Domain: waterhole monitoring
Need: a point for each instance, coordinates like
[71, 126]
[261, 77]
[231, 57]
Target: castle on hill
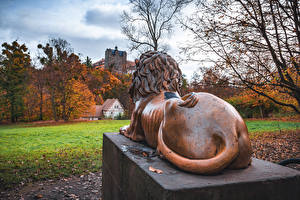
[116, 61]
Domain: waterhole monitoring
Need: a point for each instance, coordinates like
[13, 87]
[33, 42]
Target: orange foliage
[105, 85]
[251, 104]
[80, 101]
[31, 103]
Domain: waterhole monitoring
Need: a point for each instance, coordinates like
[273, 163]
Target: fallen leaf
[145, 154]
[152, 169]
[39, 196]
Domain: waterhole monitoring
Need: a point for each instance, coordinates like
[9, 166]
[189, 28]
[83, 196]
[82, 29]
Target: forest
[60, 86]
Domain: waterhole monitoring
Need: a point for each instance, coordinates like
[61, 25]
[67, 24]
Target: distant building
[111, 108]
[99, 64]
[116, 61]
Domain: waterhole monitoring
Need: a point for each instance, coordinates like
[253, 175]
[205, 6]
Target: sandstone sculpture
[198, 132]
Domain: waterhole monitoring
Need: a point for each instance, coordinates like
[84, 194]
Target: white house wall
[114, 112]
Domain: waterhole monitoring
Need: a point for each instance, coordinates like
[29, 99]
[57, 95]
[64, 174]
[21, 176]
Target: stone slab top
[144, 157]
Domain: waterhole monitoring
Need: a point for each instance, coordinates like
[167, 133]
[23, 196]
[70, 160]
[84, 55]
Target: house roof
[108, 104]
[96, 110]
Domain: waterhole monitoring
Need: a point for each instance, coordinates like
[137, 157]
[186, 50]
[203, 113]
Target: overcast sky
[90, 26]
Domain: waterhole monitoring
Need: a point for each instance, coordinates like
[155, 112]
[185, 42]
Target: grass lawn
[258, 126]
[29, 153]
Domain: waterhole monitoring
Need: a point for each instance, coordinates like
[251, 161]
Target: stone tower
[115, 60]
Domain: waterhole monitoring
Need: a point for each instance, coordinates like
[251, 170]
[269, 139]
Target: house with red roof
[111, 109]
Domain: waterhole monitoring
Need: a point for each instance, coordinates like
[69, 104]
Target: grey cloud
[19, 22]
[23, 31]
[103, 19]
[16, 23]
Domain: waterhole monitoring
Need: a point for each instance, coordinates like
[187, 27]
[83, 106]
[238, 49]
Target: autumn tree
[251, 104]
[13, 77]
[61, 67]
[30, 98]
[149, 21]
[4, 110]
[257, 42]
[79, 99]
[213, 81]
[120, 90]
[105, 84]
[3, 101]
[99, 82]
[39, 81]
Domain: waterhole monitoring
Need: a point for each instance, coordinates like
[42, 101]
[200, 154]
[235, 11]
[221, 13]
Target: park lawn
[29, 153]
[256, 127]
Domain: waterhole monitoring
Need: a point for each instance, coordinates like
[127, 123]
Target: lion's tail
[201, 166]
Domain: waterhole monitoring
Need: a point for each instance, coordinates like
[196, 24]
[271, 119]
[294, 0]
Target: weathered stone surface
[126, 175]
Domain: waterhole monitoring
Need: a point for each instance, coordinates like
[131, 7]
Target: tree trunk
[12, 113]
[261, 112]
[53, 105]
[12, 108]
[41, 105]
[64, 115]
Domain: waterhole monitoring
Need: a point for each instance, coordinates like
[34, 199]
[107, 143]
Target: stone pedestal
[126, 175]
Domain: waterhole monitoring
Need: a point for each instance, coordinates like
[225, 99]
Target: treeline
[246, 101]
[63, 87]
[59, 87]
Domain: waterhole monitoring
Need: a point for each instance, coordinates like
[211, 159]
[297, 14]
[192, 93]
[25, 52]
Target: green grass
[29, 153]
[257, 126]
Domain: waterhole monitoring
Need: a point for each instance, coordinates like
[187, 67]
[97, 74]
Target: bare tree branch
[148, 21]
[256, 41]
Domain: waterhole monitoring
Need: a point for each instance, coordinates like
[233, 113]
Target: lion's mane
[155, 72]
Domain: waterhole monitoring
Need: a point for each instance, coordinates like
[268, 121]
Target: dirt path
[269, 146]
[77, 187]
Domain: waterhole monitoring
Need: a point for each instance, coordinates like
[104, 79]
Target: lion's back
[151, 118]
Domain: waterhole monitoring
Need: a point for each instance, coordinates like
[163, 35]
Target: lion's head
[155, 72]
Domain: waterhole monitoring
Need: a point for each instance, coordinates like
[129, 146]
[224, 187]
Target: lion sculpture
[198, 132]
